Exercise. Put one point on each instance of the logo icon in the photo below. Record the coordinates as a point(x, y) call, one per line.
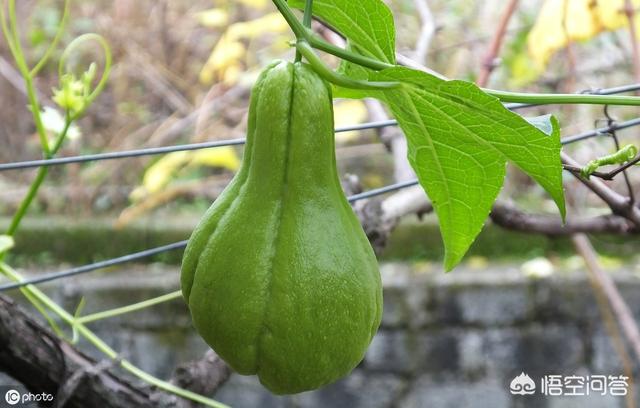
point(12, 397)
point(522, 385)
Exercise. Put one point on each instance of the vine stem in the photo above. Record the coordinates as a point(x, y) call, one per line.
point(129, 308)
point(547, 99)
point(37, 182)
point(13, 39)
point(305, 35)
point(306, 22)
point(325, 72)
point(98, 343)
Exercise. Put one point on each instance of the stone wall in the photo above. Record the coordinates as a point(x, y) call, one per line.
point(446, 340)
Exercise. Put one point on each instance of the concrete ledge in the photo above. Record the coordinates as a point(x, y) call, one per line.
point(446, 340)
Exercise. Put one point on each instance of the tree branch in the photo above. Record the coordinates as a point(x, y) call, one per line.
point(489, 62)
point(426, 32)
point(41, 361)
point(630, 12)
point(36, 357)
point(203, 376)
point(509, 217)
point(618, 304)
point(619, 204)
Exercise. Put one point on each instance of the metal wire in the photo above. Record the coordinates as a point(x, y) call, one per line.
point(232, 142)
point(118, 155)
point(166, 248)
point(601, 131)
point(162, 150)
point(95, 266)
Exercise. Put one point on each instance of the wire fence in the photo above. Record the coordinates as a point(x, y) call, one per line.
point(48, 277)
point(363, 126)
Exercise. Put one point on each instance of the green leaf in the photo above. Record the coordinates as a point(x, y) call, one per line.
point(460, 140)
point(6, 243)
point(367, 24)
point(369, 29)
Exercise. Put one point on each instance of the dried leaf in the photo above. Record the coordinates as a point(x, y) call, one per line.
point(572, 20)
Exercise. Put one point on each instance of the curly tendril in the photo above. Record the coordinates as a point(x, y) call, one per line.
point(88, 95)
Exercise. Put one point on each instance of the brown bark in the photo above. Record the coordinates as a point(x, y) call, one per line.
point(37, 358)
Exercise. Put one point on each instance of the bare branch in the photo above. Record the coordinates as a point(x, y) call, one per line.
point(604, 302)
point(34, 356)
point(41, 361)
point(630, 12)
point(620, 308)
point(509, 217)
point(203, 376)
point(489, 62)
point(426, 33)
point(379, 217)
point(619, 204)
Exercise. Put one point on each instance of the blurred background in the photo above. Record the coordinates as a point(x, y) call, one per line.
point(182, 74)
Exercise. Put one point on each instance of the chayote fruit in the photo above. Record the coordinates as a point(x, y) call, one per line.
point(279, 277)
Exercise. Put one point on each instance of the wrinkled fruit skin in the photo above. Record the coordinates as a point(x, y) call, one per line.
point(279, 277)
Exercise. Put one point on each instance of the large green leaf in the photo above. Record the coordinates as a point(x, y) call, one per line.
point(367, 24)
point(460, 140)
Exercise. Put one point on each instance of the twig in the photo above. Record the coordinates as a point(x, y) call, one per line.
point(618, 304)
point(610, 175)
point(630, 12)
point(489, 62)
point(619, 204)
point(379, 217)
point(509, 217)
point(613, 329)
point(159, 83)
point(12, 76)
point(426, 33)
point(610, 122)
point(203, 376)
point(578, 170)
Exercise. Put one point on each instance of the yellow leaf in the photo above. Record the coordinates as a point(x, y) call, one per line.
point(349, 112)
point(224, 157)
point(584, 20)
point(226, 53)
point(581, 21)
point(549, 34)
point(269, 23)
point(151, 201)
point(226, 60)
point(232, 74)
point(213, 18)
point(611, 15)
point(257, 4)
point(161, 172)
